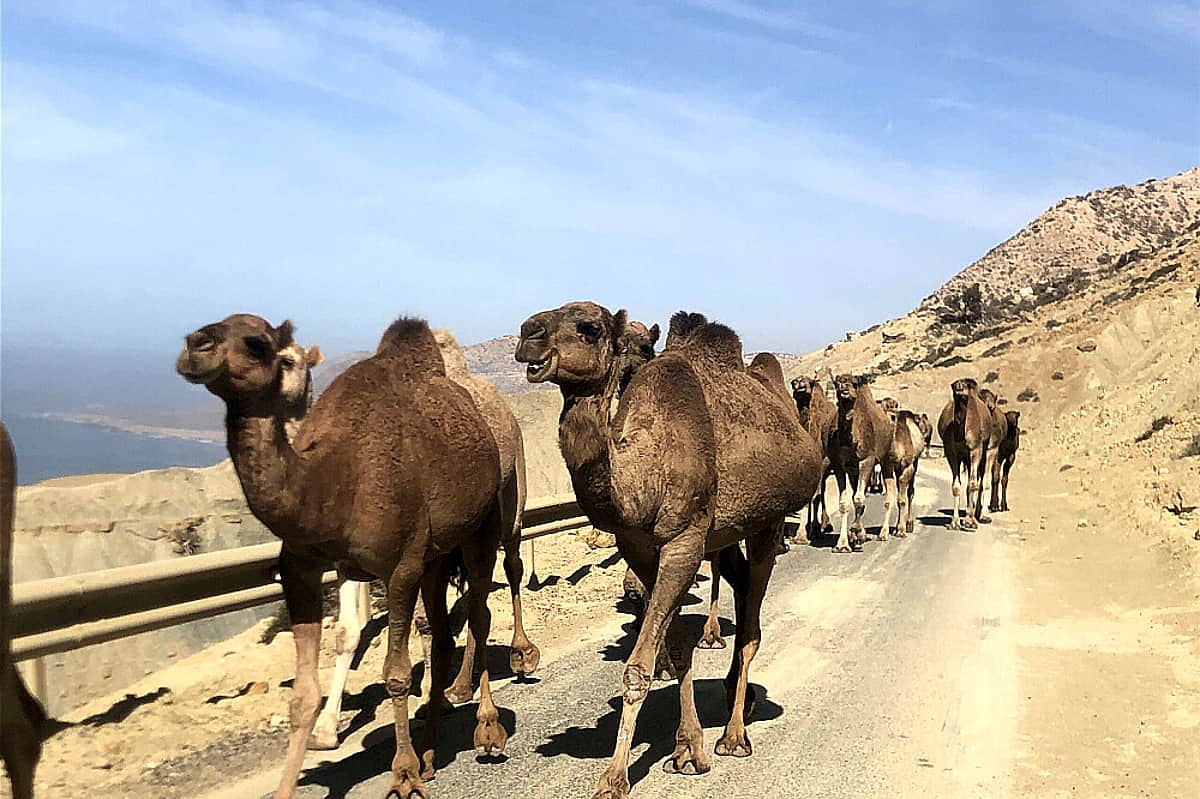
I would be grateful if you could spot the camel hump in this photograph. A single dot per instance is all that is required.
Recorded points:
(452, 354)
(693, 333)
(412, 340)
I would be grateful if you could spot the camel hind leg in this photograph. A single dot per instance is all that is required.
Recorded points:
(354, 605)
(907, 492)
(21, 743)
(858, 483)
(1008, 462)
(711, 639)
(994, 467)
(434, 583)
(524, 656)
(753, 577)
(479, 553)
(889, 502)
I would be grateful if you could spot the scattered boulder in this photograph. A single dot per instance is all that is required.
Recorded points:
(991, 377)
(1057, 376)
(1028, 395)
(892, 338)
(1086, 346)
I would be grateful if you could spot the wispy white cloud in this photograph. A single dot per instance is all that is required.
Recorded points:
(782, 21)
(1150, 21)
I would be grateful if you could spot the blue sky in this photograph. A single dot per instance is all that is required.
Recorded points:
(796, 170)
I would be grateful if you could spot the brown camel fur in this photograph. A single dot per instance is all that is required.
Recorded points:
(909, 439)
(393, 474)
(861, 440)
(524, 657)
(699, 456)
(21, 716)
(875, 485)
(999, 433)
(819, 417)
(965, 428)
(1007, 454)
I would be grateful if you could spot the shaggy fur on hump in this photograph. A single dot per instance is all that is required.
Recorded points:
(710, 339)
(411, 340)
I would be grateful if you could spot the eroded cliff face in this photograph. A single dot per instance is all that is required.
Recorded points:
(86, 524)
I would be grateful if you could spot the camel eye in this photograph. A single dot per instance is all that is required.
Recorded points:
(258, 347)
(287, 363)
(589, 331)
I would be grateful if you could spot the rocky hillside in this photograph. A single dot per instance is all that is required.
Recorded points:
(1078, 239)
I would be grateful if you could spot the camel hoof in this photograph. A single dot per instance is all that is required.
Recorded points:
(323, 738)
(841, 548)
(1004, 508)
(985, 519)
(524, 661)
(899, 533)
(490, 737)
(710, 640)
(684, 760)
(730, 745)
(909, 527)
(406, 786)
(883, 535)
(970, 524)
(612, 788)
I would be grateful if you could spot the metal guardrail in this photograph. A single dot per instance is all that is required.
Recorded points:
(65, 613)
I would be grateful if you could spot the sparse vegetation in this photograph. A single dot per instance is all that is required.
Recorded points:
(1159, 424)
(991, 377)
(1028, 395)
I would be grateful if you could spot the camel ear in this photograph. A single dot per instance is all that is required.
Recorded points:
(313, 356)
(283, 334)
(654, 335)
(620, 320)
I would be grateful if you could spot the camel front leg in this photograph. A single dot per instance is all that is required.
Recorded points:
(711, 639)
(889, 502)
(668, 578)
(1004, 484)
(689, 756)
(463, 689)
(866, 469)
(735, 742)
(993, 469)
(353, 613)
(843, 542)
(955, 489)
(904, 492)
(479, 553)
(301, 580)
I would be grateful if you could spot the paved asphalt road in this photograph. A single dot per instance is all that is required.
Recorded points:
(883, 673)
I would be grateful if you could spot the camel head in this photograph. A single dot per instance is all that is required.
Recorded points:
(635, 349)
(1014, 419)
(237, 358)
(803, 389)
(295, 377)
(989, 398)
(889, 404)
(765, 368)
(963, 388)
(926, 427)
(846, 386)
(575, 345)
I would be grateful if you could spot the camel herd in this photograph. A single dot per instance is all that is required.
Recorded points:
(409, 470)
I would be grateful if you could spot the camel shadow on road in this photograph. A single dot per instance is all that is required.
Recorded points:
(660, 711)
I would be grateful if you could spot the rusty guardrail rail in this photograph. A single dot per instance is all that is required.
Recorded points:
(65, 613)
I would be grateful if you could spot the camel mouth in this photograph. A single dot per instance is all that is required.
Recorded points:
(195, 374)
(542, 370)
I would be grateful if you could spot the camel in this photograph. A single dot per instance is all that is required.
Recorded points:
(860, 441)
(354, 604)
(21, 716)
(819, 417)
(295, 384)
(698, 457)
(875, 485)
(394, 474)
(965, 428)
(1007, 454)
(999, 433)
(910, 437)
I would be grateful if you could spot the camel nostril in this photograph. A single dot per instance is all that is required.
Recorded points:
(200, 342)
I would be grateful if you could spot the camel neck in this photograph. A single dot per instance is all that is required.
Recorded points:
(584, 437)
(265, 464)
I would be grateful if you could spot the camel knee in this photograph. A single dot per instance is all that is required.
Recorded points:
(304, 704)
(346, 638)
(635, 684)
(399, 686)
